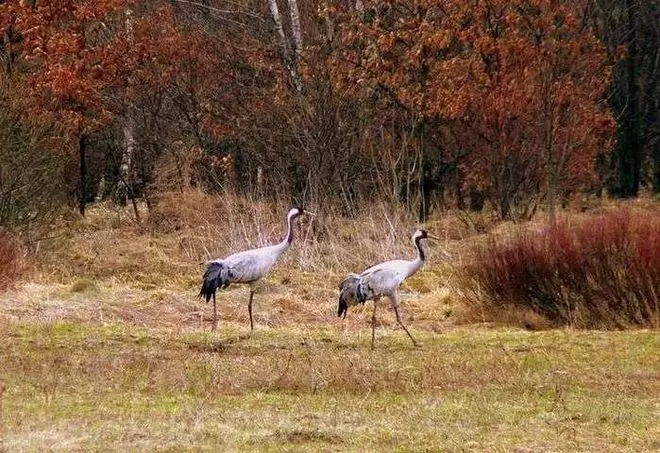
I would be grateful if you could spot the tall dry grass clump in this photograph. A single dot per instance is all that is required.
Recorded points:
(211, 226)
(12, 263)
(597, 271)
(184, 229)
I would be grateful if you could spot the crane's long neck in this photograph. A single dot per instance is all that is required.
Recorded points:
(288, 239)
(418, 262)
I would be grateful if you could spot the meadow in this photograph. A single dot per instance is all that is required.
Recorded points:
(105, 346)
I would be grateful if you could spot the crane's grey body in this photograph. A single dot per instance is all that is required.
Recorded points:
(381, 280)
(250, 265)
(245, 267)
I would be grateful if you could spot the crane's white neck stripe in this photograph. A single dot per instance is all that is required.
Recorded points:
(293, 213)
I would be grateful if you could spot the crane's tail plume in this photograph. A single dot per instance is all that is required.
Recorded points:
(351, 292)
(217, 275)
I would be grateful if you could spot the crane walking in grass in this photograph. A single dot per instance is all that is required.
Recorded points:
(382, 280)
(245, 267)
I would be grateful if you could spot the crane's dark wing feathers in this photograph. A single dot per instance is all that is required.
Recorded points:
(217, 275)
(352, 291)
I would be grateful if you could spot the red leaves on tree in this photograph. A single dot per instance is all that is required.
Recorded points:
(520, 82)
(87, 60)
(62, 42)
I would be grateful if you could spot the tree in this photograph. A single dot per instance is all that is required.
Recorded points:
(93, 65)
(630, 33)
(521, 82)
(62, 42)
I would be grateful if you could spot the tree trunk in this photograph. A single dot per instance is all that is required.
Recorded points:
(551, 161)
(279, 28)
(82, 144)
(295, 30)
(289, 62)
(656, 169)
(123, 185)
(629, 152)
(6, 41)
(552, 189)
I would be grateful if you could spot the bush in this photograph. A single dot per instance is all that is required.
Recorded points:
(12, 265)
(32, 192)
(600, 271)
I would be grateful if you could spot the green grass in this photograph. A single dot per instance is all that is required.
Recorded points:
(117, 387)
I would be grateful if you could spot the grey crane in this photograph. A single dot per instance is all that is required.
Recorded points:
(245, 267)
(382, 280)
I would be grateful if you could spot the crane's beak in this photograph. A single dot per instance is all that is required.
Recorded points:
(444, 252)
(308, 213)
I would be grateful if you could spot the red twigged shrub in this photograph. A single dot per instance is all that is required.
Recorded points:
(11, 260)
(602, 271)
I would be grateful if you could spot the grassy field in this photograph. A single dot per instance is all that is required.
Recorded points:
(105, 369)
(105, 347)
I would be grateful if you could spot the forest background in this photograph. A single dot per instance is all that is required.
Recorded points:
(431, 105)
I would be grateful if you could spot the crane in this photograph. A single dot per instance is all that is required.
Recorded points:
(248, 267)
(381, 280)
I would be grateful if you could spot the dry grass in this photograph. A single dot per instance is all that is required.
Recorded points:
(12, 262)
(185, 230)
(108, 349)
(79, 387)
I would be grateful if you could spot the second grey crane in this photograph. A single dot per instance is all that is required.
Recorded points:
(382, 280)
(245, 267)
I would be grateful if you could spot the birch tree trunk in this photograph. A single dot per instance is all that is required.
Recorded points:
(277, 19)
(290, 63)
(295, 30)
(123, 189)
(125, 186)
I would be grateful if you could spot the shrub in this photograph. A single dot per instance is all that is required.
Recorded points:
(599, 271)
(12, 264)
(32, 175)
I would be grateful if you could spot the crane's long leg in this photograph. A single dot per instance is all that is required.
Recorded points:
(250, 309)
(214, 326)
(395, 305)
(373, 324)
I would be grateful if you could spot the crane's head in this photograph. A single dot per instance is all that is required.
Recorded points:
(297, 211)
(423, 234)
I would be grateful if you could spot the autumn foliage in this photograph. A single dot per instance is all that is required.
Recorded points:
(429, 103)
(519, 85)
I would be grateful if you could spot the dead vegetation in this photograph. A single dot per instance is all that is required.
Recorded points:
(600, 270)
(12, 260)
(106, 347)
(595, 269)
(72, 386)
